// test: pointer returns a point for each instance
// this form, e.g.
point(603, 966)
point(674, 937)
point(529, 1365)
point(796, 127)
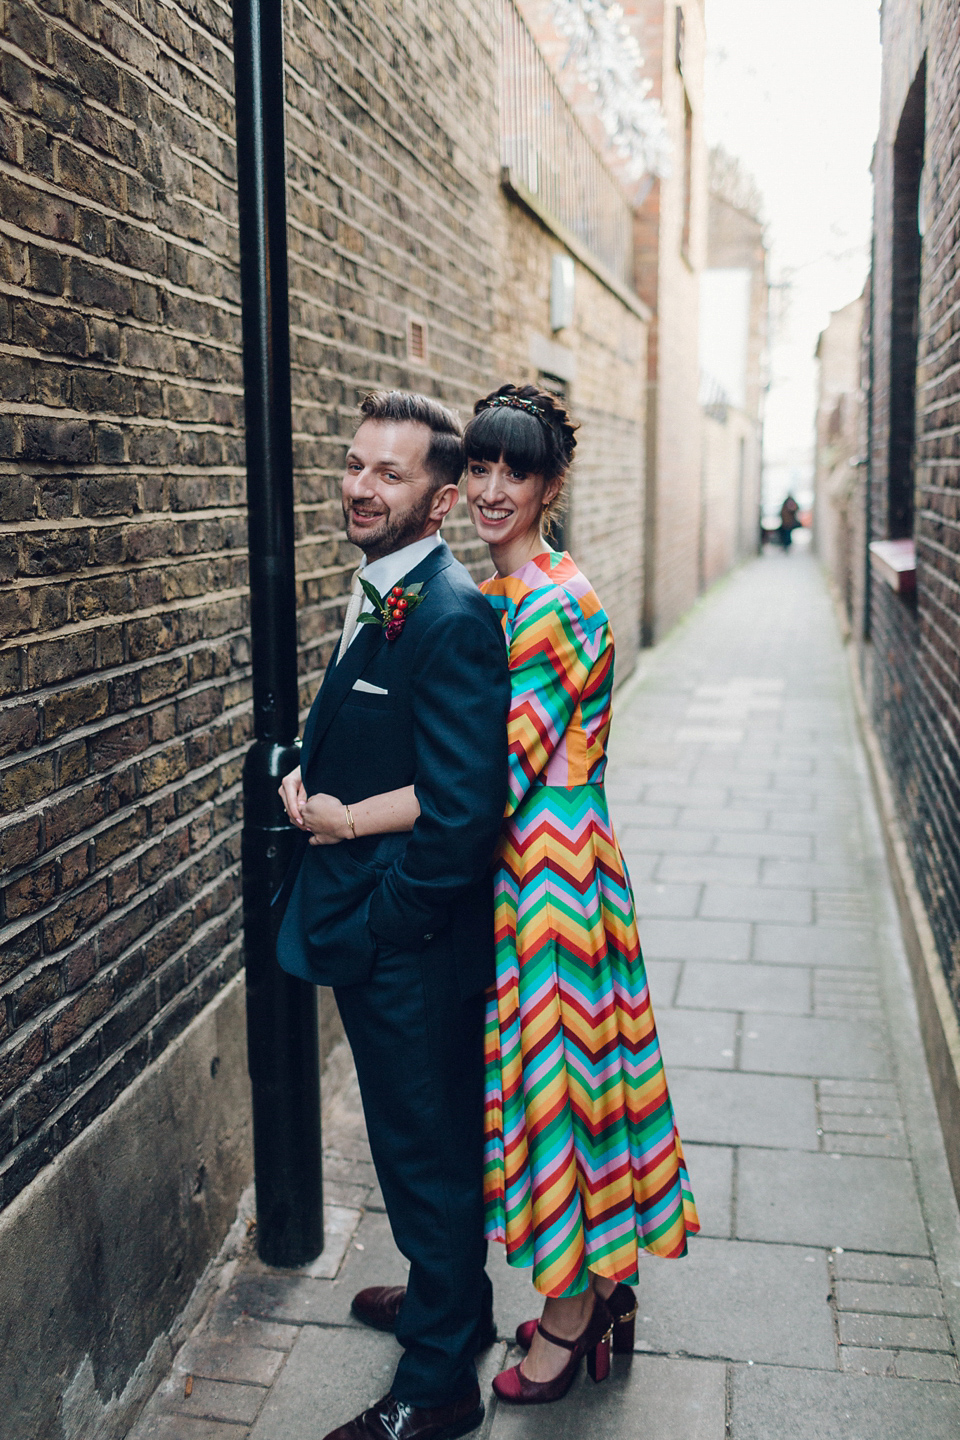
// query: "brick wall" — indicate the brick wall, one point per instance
point(913, 663)
point(123, 661)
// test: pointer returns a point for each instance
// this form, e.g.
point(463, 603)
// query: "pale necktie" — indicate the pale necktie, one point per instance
point(350, 619)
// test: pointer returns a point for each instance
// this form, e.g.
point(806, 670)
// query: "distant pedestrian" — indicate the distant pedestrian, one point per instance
point(789, 521)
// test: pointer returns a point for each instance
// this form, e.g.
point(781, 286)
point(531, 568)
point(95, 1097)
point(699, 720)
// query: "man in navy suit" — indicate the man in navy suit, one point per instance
point(401, 924)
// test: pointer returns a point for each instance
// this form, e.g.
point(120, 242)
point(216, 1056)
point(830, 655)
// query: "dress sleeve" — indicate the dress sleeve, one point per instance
point(548, 670)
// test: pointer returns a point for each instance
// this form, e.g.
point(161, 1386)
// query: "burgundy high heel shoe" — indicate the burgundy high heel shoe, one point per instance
point(622, 1304)
point(514, 1387)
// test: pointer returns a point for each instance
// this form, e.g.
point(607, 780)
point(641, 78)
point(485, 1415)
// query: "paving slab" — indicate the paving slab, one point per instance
point(909, 1332)
point(854, 1201)
point(211, 1399)
point(838, 945)
point(696, 939)
point(701, 1038)
point(781, 1404)
point(728, 1108)
point(699, 869)
point(765, 843)
point(813, 874)
point(803, 1045)
point(884, 1269)
point(663, 841)
point(627, 815)
point(655, 898)
point(646, 1398)
point(727, 818)
point(721, 986)
point(739, 1302)
point(756, 902)
point(225, 1360)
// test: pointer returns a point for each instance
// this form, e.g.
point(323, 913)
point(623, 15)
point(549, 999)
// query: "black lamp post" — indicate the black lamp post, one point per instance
point(281, 1011)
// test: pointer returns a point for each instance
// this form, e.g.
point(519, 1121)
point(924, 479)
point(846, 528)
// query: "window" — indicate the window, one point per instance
point(904, 308)
point(416, 340)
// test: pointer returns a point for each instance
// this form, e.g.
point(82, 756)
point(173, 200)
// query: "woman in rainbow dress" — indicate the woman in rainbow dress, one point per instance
point(584, 1166)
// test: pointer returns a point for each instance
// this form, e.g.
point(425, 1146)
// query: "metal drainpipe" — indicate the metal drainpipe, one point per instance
point(282, 1041)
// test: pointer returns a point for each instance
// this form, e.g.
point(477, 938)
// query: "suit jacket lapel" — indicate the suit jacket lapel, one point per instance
point(337, 684)
point(339, 678)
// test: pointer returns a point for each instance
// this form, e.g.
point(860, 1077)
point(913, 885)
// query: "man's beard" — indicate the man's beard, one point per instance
point(397, 529)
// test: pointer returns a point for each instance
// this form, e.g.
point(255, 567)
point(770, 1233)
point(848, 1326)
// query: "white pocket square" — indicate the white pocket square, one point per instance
point(369, 689)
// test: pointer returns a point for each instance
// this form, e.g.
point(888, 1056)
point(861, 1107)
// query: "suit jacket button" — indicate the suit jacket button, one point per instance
point(428, 937)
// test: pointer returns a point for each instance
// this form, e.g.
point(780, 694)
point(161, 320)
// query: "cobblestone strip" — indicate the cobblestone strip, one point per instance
point(860, 1117)
point(889, 1311)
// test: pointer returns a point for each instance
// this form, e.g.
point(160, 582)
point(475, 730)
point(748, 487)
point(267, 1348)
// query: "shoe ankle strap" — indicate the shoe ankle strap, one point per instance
point(556, 1340)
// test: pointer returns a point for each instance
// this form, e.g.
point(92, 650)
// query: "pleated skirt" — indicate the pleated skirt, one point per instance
point(584, 1166)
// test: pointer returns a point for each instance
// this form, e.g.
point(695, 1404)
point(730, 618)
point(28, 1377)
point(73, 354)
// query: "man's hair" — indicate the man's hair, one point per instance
point(445, 458)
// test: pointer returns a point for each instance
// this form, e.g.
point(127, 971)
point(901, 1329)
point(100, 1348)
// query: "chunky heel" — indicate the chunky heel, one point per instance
point(624, 1334)
point(598, 1360)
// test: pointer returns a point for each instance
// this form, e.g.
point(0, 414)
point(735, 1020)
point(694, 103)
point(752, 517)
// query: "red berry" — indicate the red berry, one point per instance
point(398, 614)
point(401, 604)
point(396, 590)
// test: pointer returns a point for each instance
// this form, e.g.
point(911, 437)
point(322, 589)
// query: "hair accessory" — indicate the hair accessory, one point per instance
point(515, 402)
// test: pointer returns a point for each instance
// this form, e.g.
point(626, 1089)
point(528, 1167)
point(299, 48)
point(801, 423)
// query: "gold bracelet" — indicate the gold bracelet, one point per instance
point(346, 811)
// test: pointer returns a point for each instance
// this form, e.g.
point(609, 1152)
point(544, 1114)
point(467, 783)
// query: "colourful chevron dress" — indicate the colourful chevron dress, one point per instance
point(583, 1163)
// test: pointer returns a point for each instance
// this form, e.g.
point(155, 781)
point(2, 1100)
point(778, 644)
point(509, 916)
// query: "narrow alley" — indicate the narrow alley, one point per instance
point(823, 1295)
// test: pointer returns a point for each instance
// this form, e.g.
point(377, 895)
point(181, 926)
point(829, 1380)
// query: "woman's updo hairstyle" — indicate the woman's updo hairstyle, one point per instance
point(529, 430)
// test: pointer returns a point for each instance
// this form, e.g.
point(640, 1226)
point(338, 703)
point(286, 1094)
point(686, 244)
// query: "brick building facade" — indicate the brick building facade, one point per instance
point(124, 654)
point(669, 253)
point(908, 628)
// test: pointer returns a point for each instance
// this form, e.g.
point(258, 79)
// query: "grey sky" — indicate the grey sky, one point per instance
point(792, 91)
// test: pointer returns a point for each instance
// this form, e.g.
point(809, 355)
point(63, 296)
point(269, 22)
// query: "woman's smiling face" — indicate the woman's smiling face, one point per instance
point(506, 504)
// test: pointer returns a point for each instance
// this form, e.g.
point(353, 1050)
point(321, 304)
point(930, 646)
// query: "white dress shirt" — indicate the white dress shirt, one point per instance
point(390, 569)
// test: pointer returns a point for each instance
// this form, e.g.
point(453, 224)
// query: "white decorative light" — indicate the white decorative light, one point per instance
point(608, 62)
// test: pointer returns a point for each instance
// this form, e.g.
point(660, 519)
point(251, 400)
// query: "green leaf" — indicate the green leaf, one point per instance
point(372, 594)
point(413, 589)
point(369, 619)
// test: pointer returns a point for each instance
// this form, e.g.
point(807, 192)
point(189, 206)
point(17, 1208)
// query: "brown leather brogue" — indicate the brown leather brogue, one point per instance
point(379, 1306)
point(391, 1419)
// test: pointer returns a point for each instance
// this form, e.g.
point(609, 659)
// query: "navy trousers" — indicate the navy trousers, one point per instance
point(418, 1050)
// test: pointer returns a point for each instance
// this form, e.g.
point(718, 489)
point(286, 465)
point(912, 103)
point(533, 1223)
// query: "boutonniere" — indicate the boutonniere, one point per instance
point(390, 613)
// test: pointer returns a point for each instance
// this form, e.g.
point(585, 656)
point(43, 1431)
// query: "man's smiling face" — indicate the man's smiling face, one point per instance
point(388, 494)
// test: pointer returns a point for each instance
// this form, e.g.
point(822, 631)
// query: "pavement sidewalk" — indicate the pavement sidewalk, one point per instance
point(822, 1298)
